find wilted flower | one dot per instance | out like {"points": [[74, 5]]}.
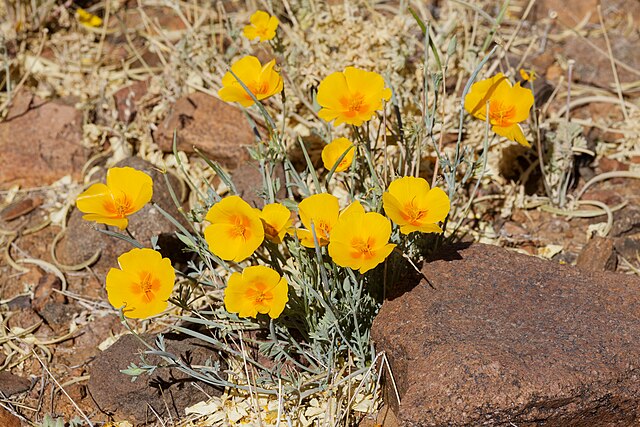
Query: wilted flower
{"points": [[126, 192], [88, 19], [143, 284], [236, 229], [258, 289], [332, 152], [276, 220], [262, 25], [260, 79], [528, 76], [351, 96], [414, 207], [360, 240], [508, 106], [321, 209]]}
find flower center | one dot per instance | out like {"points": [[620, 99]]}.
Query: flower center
{"points": [[259, 295], [413, 214], [501, 114], [119, 207], [147, 286], [239, 227], [361, 248], [258, 88], [322, 230], [354, 105]]}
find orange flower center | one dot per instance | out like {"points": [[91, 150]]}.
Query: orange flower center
{"points": [[240, 227], [361, 248], [259, 295], [322, 230], [258, 88], [147, 286], [501, 114], [412, 214], [354, 105], [119, 207]]}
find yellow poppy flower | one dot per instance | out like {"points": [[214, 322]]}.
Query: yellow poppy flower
{"points": [[143, 284], [360, 240], [321, 209], [236, 229], [276, 220], [332, 152], [508, 106], [258, 289], [126, 192], [261, 80], [410, 203], [262, 26], [88, 19], [351, 96]]}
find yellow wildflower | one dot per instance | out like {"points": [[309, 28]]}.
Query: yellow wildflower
{"points": [[276, 220], [360, 240], [258, 289], [411, 204], [321, 209], [260, 79], [508, 106], [236, 229], [143, 284], [351, 96], [88, 19], [126, 192], [262, 26], [332, 152]]}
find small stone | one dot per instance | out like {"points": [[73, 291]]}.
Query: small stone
{"points": [[218, 129], [249, 184], [598, 255], [45, 292], [41, 145], [164, 390], [127, 98], [511, 338], [12, 384], [20, 208]]}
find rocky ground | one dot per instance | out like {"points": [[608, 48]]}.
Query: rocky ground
{"points": [[58, 330]]}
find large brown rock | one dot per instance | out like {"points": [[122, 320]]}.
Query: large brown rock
{"points": [[215, 127], [508, 339], [40, 143], [166, 392]]}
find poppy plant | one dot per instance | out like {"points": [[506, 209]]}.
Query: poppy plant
{"points": [[236, 229], [410, 203], [258, 289], [332, 152], [262, 80], [322, 210], [351, 96], [276, 220], [508, 106], [263, 26], [360, 240], [142, 284], [127, 191]]}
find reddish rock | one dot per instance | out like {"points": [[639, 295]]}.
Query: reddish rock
{"points": [[12, 384], [20, 208], [7, 419], [215, 127], [164, 390], [41, 145], [598, 255], [127, 98], [45, 292], [249, 183], [508, 339]]}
